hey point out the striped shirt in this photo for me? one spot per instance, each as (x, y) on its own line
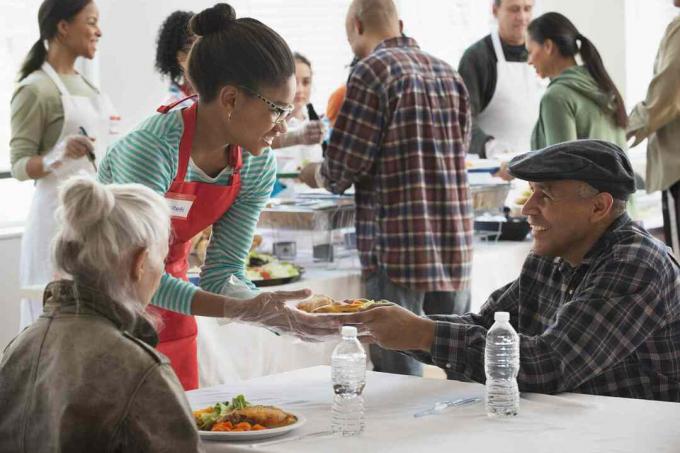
(610, 326)
(401, 137)
(156, 140)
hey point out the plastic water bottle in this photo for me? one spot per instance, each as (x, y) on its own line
(348, 373)
(501, 362)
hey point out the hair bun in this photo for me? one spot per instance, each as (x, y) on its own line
(212, 20)
(84, 203)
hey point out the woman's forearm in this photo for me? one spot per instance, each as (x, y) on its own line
(34, 167)
(213, 305)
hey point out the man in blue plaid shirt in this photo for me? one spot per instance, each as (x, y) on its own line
(597, 303)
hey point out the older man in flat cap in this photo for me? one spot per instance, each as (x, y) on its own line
(597, 303)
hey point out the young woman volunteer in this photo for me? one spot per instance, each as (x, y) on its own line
(213, 164)
(60, 125)
(581, 101)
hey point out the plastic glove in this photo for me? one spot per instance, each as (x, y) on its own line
(495, 148)
(71, 147)
(310, 133)
(270, 310)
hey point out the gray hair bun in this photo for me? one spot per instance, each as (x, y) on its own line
(212, 20)
(84, 203)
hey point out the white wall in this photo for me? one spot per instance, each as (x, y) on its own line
(127, 52)
(603, 22)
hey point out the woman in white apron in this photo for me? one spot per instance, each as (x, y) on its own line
(302, 143)
(61, 125)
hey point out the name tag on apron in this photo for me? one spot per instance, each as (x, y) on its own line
(179, 204)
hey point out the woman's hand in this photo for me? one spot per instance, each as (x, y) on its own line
(312, 133)
(269, 309)
(77, 146)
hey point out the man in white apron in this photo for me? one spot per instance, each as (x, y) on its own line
(505, 91)
(91, 116)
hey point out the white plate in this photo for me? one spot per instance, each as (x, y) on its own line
(252, 435)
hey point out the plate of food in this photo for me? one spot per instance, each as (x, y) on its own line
(265, 270)
(325, 304)
(241, 420)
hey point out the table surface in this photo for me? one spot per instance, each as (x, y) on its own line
(557, 423)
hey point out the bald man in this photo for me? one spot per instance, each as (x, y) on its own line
(401, 137)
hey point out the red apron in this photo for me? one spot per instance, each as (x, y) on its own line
(210, 202)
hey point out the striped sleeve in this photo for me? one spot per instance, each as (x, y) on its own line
(233, 233)
(143, 157)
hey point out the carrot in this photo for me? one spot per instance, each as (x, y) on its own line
(245, 426)
(222, 426)
(257, 427)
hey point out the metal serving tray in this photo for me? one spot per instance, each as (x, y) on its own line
(317, 213)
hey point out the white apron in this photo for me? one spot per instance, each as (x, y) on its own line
(97, 117)
(292, 158)
(513, 111)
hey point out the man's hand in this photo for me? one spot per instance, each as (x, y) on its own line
(393, 327)
(503, 172)
(308, 175)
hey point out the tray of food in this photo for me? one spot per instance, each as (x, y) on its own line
(238, 419)
(489, 197)
(324, 304)
(266, 270)
(314, 212)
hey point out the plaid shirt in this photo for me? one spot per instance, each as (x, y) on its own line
(401, 139)
(610, 326)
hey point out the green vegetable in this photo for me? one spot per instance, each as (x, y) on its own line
(239, 402)
(220, 412)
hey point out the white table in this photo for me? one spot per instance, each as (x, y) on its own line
(566, 423)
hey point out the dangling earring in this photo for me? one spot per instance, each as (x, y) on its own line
(229, 117)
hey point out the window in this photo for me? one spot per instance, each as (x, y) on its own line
(18, 32)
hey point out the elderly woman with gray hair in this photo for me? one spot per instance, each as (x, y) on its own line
(85, 376)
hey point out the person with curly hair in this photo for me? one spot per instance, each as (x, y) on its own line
(172, 51)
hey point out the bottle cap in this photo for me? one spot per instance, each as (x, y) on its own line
(349, 331)
(501, 316)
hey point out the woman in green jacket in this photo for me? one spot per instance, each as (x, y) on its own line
(581, 102)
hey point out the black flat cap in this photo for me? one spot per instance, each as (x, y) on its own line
(601, 164)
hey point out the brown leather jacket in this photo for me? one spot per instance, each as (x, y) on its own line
(85, 377)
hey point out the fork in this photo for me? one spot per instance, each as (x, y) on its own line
(440, 406)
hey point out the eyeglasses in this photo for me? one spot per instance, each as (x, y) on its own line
(279, 113)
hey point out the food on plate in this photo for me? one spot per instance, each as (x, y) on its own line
(314, 302)
(325, 304)
(261, 266)
(256, 259)
(240, 415)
